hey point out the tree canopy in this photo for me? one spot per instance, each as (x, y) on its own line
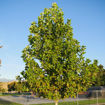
(100, 77)
(55, 66)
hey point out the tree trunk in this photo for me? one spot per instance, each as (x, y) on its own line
(56, 102)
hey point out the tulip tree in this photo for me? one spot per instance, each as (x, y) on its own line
(55, 64)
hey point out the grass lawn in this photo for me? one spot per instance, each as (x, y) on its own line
(83, 102)
(3, 102)
(14, 94)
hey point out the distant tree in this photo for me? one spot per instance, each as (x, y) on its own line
(55, 65)
(2, 90)
(18, 86)
(0, 87)
(12, 86)
(22, 87)
(18, 78)
(100, 80)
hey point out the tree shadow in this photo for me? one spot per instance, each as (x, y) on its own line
(15, 96)
(30, 97)
(5, 102)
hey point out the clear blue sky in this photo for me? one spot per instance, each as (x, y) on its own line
(88, 22)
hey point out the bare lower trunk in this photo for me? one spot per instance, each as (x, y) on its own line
(56, 102)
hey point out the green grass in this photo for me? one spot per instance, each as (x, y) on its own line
(14, 94)
(83, 102)
(3, 102)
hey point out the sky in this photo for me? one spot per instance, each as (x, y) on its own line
(87, 19)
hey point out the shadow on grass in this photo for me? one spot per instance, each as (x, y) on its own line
(81, 102)
(4, 102)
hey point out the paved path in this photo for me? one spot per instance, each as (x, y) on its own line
(26, 100)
